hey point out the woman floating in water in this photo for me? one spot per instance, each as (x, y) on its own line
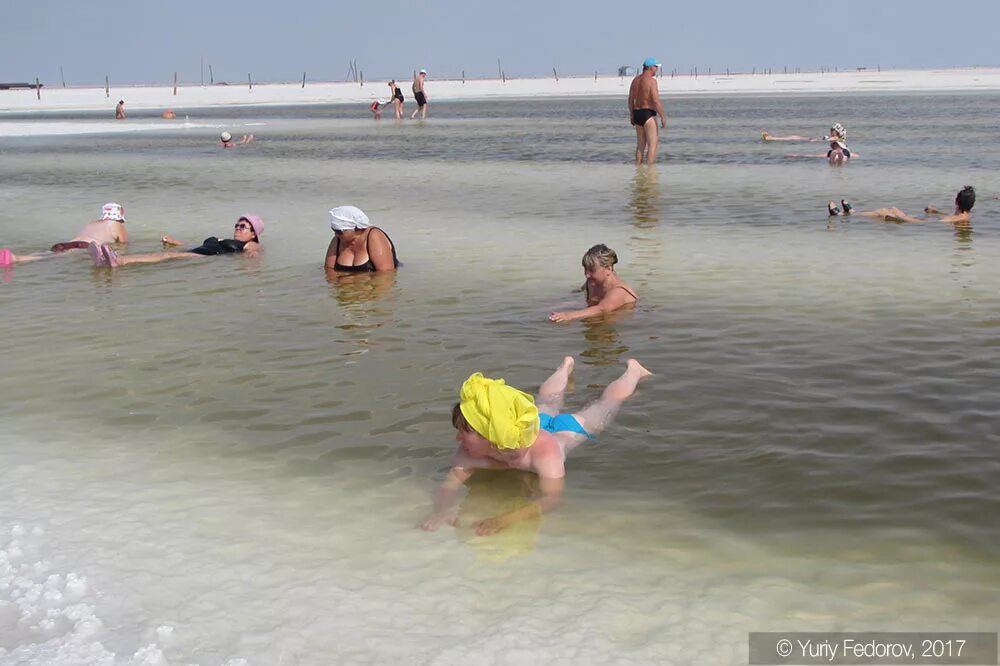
(245, 240)
(606, 292)
(837, 131)
(500, 427)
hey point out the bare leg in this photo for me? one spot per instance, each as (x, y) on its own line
(596, 416)
(652, 139)
(640, 143)
(551, 394)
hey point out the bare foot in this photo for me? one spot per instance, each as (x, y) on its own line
(568, 364)
(635, 365)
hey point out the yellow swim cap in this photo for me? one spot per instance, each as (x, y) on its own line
(505, 416)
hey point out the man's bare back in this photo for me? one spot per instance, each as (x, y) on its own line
(643, 107)
(102, 231)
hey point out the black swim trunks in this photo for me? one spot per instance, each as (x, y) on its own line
(71, 245)
(640, 116)
(421, 99)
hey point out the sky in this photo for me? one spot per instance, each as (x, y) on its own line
(146, 41)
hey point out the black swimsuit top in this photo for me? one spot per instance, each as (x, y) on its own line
(212, 246)
(368, 266)
(397, 93)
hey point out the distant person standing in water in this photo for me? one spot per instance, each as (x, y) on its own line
(120, 110)
(643, 107)
(397, 99)
(419, 95)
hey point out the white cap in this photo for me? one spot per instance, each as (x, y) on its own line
(226, 136)
(423, 71)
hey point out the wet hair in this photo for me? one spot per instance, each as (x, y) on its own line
(599, 255)
(966, 199)
(458, 419)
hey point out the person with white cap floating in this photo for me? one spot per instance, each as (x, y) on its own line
(227, 140)
(420, 95)
(643, 107)
(357, 246)
(110, 228)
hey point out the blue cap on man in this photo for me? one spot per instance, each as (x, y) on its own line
(650, 62)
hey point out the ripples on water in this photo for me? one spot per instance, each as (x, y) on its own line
(820, 437)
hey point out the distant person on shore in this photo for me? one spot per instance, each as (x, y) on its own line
(357, 246)
(376, 108)
(500, 427)
(837, 131)
(227, 140)
(964, 201)
(606, 292)
(643, 107)
(120, 110)
(397, 99)
(109, 228)
(420, 95)
(168, 114)
(245, 240)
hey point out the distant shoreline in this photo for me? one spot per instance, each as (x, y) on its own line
(161, 97)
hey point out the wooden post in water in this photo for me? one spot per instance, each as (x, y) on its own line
(211, 77)
(595, 74)
(38, 88)
(463, 77)
(175, 84)
(249, 82)
(499, 69)
(61, 77)
(107, 87)
(303, 79)
(555, 74)
(503, 77)
(361, 77)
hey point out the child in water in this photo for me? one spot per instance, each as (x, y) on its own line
(500, 427)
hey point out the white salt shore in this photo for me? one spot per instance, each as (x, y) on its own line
(196, 96)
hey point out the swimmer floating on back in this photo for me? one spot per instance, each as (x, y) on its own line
(245, 240)
(109, 228)
(227, 140)
(837, 131)
(964, 201)
(500, 427)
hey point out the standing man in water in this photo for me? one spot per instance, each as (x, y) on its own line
(418, 94)
(643, 107)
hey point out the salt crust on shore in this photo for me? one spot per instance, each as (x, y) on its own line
(196, 96)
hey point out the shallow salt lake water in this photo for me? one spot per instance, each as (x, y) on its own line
(222, 461)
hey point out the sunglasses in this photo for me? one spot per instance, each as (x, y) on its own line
(243, 225)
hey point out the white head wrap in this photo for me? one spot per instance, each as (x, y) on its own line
(114, 212)
(345, 218)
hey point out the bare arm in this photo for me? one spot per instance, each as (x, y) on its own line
(380, 251)
(611, 302)
(170, 240)
(446, 499)
(659, 105)
(252, 249)
(122, 235)
(552, 490)
(331, 253)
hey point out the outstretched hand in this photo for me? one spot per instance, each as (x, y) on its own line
(489, 526)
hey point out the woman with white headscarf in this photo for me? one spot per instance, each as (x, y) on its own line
(357, 246)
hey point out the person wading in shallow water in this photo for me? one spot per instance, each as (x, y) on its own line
(643, 107)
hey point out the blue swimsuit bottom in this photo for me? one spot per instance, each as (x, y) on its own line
(562, 423)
